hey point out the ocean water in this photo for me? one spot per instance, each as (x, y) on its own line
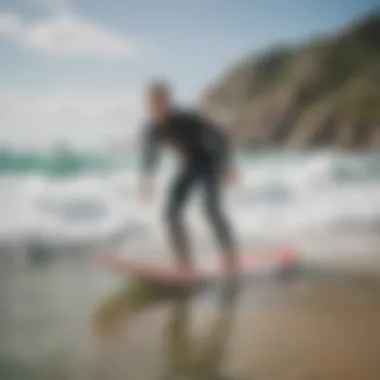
(279, 195)
(311, 326)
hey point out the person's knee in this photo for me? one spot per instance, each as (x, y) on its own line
(212, 210)
(172, 215)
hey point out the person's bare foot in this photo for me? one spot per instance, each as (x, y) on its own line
(185, 270)
(230, 267)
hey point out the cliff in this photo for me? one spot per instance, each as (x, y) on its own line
(323, 93)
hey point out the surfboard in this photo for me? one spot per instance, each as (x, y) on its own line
(249, 263)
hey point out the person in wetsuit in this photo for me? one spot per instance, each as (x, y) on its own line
(206, 156)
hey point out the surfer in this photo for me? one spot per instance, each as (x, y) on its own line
(205, 153)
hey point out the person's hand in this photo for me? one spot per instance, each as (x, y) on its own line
(146, 191)
(230, 177)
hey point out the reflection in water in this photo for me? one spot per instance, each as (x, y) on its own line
(200, 361)
(188, 358)
(128, 301)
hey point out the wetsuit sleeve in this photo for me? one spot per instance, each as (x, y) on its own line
(219, 143)
(226, 149)
(150, 147)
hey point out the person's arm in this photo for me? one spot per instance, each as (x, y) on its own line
(226, 150)
(149, 156)
(219, 142)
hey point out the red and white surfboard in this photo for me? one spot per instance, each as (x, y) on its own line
(249, 263)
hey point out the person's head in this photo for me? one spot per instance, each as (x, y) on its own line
(159, 100)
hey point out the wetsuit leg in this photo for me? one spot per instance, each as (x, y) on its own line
(212, 185)
(179, 193)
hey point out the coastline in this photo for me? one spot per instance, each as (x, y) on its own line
(319, 323)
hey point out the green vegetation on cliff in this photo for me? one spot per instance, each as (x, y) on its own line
(324, 93)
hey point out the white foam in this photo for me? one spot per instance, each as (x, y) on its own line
(277, 196)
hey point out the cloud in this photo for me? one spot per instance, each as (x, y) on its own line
(84, 119)
(54, 5)
(9, 24)
(67, 35)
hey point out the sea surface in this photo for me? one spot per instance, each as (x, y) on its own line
(62, 316)
(279, 195)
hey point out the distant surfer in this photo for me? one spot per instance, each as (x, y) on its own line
(205, 153)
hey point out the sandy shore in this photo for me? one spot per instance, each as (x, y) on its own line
(69, 320)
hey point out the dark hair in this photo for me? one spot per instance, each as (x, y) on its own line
(159, 87)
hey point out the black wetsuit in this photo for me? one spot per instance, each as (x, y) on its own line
(206, 154)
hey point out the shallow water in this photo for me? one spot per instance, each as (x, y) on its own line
(66, 319)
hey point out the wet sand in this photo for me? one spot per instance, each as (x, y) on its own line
(68, 320)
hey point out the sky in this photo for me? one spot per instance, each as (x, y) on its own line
(75, 70)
